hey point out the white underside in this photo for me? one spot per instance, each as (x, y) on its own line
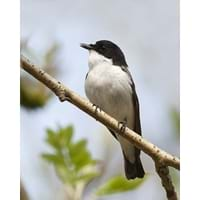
(108, 87)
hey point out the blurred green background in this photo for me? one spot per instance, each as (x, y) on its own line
(51, 31)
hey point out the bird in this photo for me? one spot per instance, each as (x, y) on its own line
(109, 86)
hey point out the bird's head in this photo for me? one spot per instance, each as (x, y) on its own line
(105, 51)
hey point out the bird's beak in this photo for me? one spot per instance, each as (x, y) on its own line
(86, 46)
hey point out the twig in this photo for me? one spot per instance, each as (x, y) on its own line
(65, 94)
(163, 172)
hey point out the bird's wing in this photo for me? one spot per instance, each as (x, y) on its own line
(137, 127)
(137, 124)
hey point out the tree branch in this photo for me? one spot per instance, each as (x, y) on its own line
(163, 172)
(160, 157)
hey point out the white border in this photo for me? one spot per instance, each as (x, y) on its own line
(190, 99)
(9, 100)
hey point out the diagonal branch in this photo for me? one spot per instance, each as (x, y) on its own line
(160, 157)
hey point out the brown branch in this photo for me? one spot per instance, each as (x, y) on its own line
(65, 94)
(23, 192)
(163, 172)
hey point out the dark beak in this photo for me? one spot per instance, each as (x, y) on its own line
(86, 46)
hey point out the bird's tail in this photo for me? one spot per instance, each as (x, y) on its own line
(133, 170)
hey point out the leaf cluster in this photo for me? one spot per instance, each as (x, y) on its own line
(33, 94)
(72, 160)
(75, 166)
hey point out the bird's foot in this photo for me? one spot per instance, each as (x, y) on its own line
(63, 96)
(97, 108)
(122, 125)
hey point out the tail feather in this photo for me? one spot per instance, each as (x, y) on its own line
(133, 170)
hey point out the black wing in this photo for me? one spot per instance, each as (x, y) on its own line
(137, 127)
(137, 124)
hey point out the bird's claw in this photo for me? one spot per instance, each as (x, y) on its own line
(122, 125)
(63, 96)
(97, 108)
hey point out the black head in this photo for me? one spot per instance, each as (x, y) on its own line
(109, 50)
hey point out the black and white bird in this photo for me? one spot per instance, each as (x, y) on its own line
(109, 86)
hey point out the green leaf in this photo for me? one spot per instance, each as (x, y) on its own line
(66, 174)
(119, 184)
(55, 159)
(64, 171)
(72, 160)
(77, 147)
(65, 135)
(52, 139)
(88, 177)
(82, 159)
(80, 156)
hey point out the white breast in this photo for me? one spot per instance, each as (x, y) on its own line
(108, 86)
(96, 59)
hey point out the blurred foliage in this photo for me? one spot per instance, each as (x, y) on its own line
(175, 117)
(72, 160)
(75, 166)
(32, 93)
(119, 184)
